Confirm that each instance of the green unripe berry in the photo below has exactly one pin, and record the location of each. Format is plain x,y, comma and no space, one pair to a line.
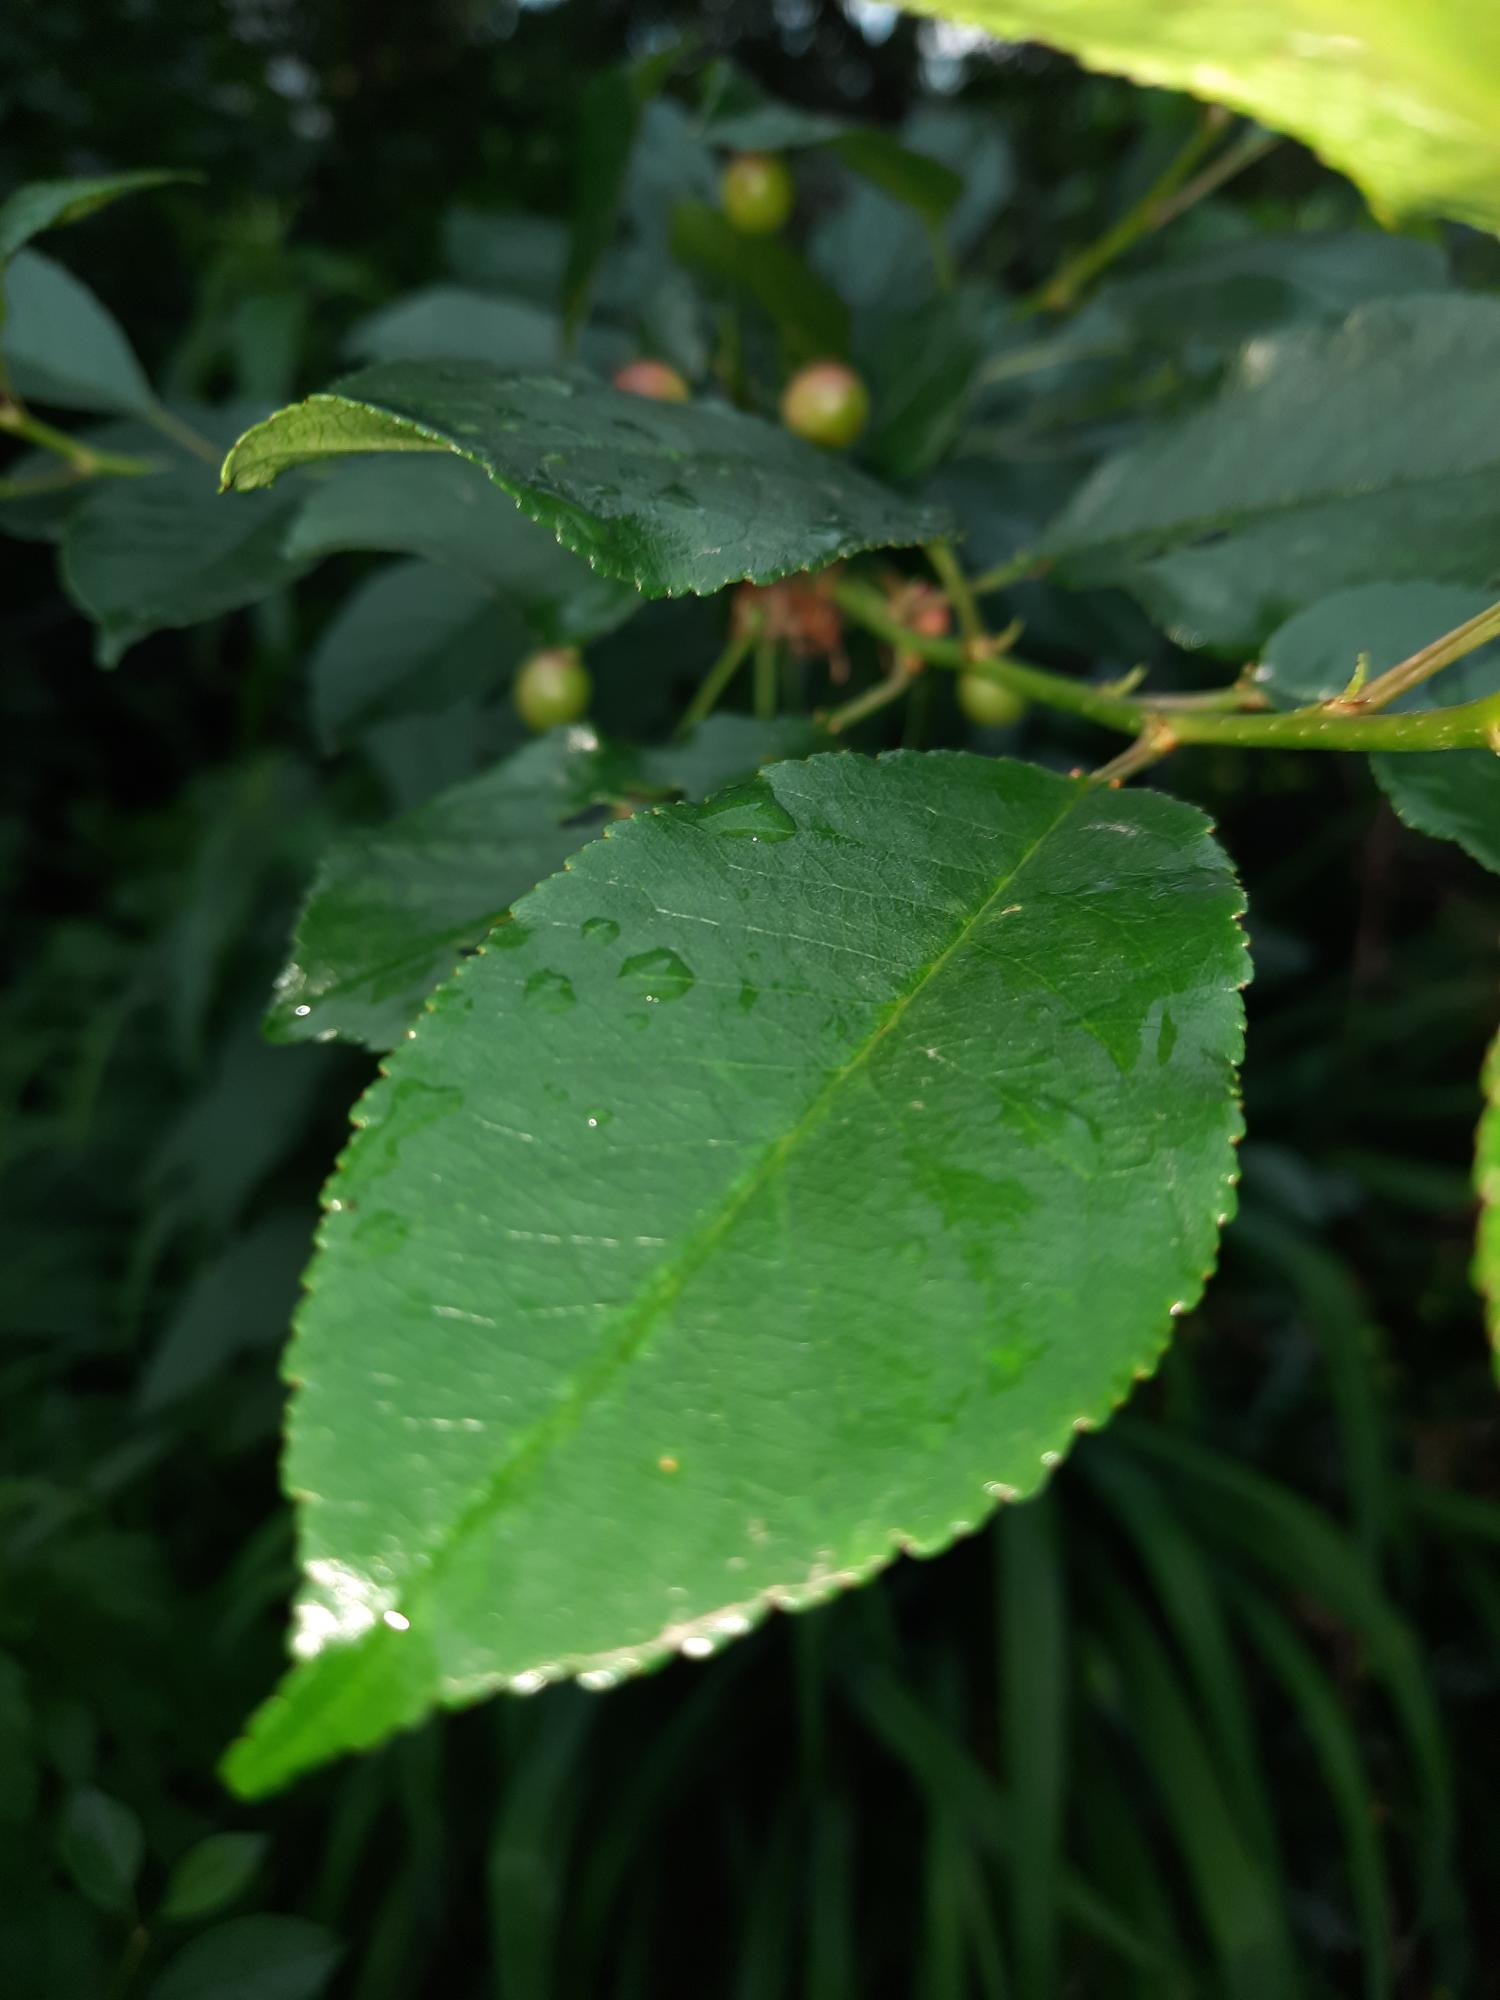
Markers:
552,687
989,703
757,191
655,379
826,403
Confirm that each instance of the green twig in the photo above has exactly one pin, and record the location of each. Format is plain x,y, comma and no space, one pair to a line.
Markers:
958,591
18,422
1004,574
719,675
1176,190
1322,726
881,695
765,675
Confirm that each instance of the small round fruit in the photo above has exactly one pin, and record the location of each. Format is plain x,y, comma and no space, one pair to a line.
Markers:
552,687
826,403
654,379
757,192
989,703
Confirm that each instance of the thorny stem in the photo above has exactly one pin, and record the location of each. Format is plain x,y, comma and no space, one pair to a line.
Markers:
1422,665
1155,741
1059,292
1334,725
719,675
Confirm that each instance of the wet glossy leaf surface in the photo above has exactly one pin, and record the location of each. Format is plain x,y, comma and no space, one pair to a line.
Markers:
393,911
670,497
1401,94
788,1181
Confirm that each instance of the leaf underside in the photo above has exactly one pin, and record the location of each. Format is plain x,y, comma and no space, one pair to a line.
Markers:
1400,94
787,1182
671,497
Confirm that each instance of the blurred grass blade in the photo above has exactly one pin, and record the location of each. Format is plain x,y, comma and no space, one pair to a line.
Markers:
1238,1897
1333,1314
1188,1592
1292,1542
948,1775
1033,1670
1336,1748
542,1793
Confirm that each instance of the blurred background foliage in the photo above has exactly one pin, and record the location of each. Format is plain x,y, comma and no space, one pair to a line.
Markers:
1218,1715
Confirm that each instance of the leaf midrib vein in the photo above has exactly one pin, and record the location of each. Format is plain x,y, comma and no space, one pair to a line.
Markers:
668,1280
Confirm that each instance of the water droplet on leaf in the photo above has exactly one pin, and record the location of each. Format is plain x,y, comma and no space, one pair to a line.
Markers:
661,974
603,930
552,991
748,812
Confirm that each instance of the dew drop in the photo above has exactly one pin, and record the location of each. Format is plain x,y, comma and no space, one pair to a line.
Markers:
748,812
597,1120
552,991
748,996
661,974
602,930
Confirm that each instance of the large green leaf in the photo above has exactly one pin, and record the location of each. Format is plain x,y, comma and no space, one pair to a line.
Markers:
791,1178
42,205
1487,1187
1400,94
1335,456
445,509
1450,794
672,497
394,910
61,346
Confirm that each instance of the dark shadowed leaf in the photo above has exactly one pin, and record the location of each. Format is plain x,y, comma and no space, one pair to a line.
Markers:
808,314
61,346
415,636
1364,452
253,1958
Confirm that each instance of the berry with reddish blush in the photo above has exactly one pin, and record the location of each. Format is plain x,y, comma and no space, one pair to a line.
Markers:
654,379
